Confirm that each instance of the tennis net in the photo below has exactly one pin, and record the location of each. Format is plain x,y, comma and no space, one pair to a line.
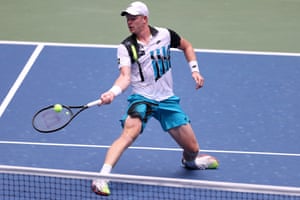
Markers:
40,183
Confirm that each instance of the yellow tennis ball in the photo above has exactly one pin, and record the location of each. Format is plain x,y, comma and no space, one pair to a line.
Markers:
57,107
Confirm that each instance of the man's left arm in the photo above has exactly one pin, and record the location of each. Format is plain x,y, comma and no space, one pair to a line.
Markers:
190,56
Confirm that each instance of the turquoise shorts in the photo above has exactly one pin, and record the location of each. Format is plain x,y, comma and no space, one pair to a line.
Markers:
168,112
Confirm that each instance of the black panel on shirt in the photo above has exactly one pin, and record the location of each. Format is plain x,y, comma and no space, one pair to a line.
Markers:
175,39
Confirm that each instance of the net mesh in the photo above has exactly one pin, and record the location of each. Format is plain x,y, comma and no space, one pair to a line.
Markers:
36,183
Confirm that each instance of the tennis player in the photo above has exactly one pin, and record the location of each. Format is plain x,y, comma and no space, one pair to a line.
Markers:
144,63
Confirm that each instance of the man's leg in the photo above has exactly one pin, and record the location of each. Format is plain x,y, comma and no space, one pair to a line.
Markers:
131,130
186,139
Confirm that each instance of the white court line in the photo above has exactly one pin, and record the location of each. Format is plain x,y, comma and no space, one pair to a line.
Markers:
20,78
115,46
148,148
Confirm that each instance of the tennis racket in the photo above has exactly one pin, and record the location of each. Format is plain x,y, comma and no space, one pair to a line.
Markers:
48,120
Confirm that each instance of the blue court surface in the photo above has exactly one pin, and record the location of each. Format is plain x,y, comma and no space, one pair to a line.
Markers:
247,115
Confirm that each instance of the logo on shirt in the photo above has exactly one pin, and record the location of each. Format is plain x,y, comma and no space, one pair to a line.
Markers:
160,61
141,50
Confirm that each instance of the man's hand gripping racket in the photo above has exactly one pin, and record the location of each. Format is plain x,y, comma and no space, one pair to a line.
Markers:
51,119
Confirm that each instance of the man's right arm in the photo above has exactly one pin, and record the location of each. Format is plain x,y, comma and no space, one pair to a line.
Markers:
123,81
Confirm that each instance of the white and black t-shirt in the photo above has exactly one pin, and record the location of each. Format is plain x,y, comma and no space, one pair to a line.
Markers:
154,59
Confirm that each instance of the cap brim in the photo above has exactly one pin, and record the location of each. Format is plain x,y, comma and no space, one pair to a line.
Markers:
130,11
123,13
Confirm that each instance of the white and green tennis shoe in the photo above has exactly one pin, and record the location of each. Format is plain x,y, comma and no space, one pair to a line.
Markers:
202,161
101,187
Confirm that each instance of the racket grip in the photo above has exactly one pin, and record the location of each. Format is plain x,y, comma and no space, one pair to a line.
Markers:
94,103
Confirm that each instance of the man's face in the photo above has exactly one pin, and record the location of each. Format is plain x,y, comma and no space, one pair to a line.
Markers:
136,23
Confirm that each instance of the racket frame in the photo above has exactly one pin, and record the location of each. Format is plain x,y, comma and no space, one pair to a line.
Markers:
70,112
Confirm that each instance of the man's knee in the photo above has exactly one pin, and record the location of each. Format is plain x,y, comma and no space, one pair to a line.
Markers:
132,123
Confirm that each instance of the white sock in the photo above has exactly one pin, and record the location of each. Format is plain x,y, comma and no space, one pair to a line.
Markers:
106,169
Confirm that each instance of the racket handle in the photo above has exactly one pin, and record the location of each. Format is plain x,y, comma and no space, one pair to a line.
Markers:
94,103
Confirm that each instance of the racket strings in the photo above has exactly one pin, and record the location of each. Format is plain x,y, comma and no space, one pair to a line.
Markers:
48,120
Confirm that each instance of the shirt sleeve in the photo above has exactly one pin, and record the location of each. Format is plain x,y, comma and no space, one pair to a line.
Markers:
123,56
175,39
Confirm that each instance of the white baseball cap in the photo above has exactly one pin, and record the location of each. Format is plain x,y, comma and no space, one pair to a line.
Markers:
136,8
